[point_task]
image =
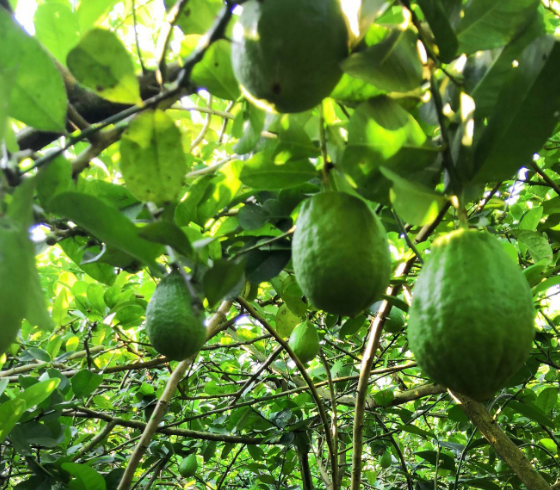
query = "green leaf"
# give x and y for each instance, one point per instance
(152, 157)
(215, 72)
(547, 399)
(198, 16)
(488, 24)
(446, 462)
(264, 265)
(252, 217)
(85, 382)
(382, 133)
(384, 398)
(262, 172)
(88, 12)
(86, 478)
(538, 246)
(20, 252)
(352, 326)
(168, 233)
(444, 34)
(106, 223)
(531, 219)
(102, 63)
(392, 65)
(6, 84)
(512, 135)
(412, 429)
(531, 412)
(486, 92)
(54, 178)
(75, 248)
(10, 413)
(483, 483)
(37, 393)
(57, 29)
(413, 202)
(38, 96)
(225, 277)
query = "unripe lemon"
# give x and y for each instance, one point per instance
(175, 329)
(340, 253)
(287, 52)
(471, 320)
(304, 341)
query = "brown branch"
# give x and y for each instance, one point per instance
(503, 445)
(545, 177)
(82, 412)
(161, 407)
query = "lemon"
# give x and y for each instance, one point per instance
(471, 320)
(340, 253)
(188, 466)
(287, 52)
(304, 341)
(173, 326)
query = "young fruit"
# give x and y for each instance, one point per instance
(287, 52)
(471, 320)
(385, 460)
(395, 321)
(304, 341)
(174, 328)
(188, 466)
(340, 253)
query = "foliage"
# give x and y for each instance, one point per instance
(127, 149)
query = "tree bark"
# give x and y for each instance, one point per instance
(503, 445)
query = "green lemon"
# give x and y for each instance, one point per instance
(174, 328)
(385, 460)
(188, 466)
(471, 320)
(287, 52)
(340, 253)
(395, 321)
(304, 341)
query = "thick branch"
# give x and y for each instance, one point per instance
(503, 445)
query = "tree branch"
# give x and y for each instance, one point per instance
(503, 445)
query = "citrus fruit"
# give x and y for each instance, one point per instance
(385, 460)
(471, 320)
(395, 321)
(304, 341)
(287, 52)
(340, 253)
(188, 466)
(174, 328)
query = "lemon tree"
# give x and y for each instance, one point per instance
(279, 244)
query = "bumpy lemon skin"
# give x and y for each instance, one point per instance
(174, 329)
(471, 323)
(287, 52)
(340, 253)
(304, 341)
